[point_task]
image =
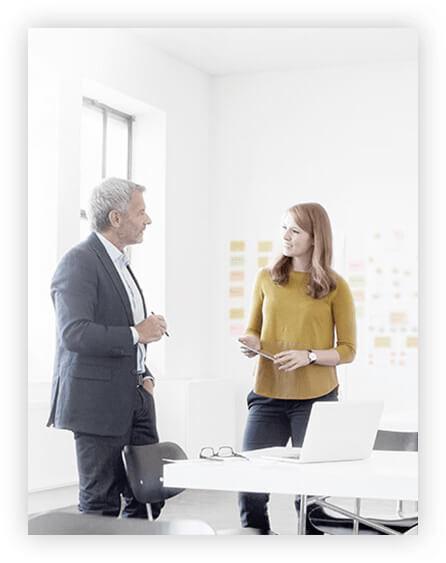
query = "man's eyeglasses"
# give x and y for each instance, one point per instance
(224, 452)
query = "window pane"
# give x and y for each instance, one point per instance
(91, 153)
(117, 147)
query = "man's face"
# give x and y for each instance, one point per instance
(134, 221)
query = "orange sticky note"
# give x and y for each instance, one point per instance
(237, 275)
(398, 317)
(236, 291)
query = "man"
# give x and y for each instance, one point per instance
(102, 390)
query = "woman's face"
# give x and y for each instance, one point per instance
(296, 242)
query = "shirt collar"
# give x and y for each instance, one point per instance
(117, 257)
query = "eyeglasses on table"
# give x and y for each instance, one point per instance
(223, 452)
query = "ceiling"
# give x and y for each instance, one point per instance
(220, 51)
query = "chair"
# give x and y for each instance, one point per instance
(323, 520)
(75, 523)
(144, 467)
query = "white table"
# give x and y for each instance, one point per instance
(385, 475)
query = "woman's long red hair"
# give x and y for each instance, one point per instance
(313, 219)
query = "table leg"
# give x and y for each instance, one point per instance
(302, 523)
(356, 522)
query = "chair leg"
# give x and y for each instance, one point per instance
(149, 512)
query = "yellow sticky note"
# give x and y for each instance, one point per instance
(358, 295)
(236, 313)
(398, 317)
(237, 261)
(382, 342)
(237, 275)
(263, 261)
(265, 246)
(236, 291)
(412, 341)
(237, 245)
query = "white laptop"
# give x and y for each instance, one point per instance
(336, 431)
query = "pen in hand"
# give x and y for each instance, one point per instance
(166, 333)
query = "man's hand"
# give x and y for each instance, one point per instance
(251, 341)
(148, 386)
(151, 329)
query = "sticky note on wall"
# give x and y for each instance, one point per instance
(237, 275)
(263, 261)
(382, 342)
(412, 342)
(265, 246)
(236, 329)
(236, 291)
(236, 313)
(237, 245)
(398, 317)
(356, 266)
(237, 261)
(358, 295)
(356, 281)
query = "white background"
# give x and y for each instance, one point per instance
(429, 19)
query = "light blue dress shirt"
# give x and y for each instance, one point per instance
(120, 261)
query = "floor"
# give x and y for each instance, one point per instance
(220, 509)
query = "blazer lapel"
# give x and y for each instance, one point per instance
(99, 248)
(139, 289)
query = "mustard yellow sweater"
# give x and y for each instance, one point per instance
(286, 318)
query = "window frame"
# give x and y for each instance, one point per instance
(106, 111)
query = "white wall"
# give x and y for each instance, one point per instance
(345, 137)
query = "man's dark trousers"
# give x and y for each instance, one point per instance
(102, 477)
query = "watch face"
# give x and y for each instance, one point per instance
(312, 356)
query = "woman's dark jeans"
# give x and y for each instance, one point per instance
(271, 422)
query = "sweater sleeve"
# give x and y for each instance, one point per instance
(345, 322)
(256, 316)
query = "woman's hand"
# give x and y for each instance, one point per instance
(292, 359)
(251, 341)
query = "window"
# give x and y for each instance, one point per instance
(106, 150)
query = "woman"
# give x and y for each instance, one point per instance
(297, 305)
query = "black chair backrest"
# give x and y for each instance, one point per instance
(144, 467)
(396, 441)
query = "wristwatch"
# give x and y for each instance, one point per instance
(311, 356)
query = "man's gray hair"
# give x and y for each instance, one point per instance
(111, 194)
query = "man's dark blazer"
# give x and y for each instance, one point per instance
(94, 382)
